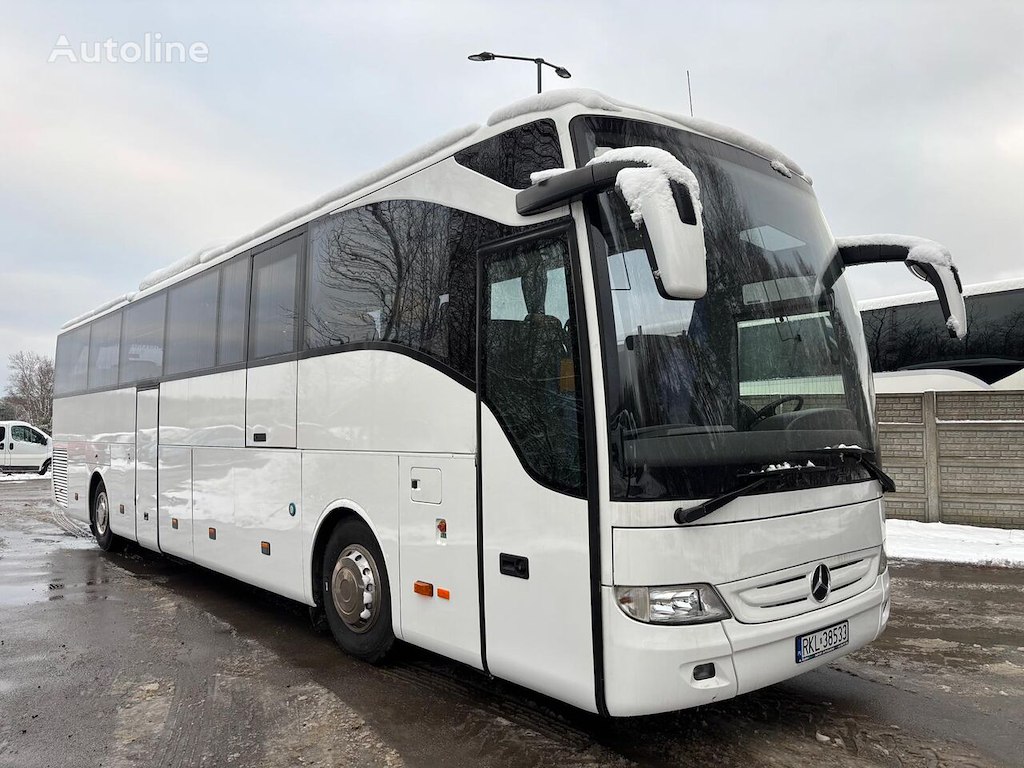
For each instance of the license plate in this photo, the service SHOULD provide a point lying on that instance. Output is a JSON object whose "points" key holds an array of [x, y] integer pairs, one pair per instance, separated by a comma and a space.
{"points": [[823, 641]]}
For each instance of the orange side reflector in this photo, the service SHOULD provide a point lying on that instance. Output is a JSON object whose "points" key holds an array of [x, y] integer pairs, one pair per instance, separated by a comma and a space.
{"points": [[174, 523], [265, 547], [423, 588], [444, 594], [213, 533]]}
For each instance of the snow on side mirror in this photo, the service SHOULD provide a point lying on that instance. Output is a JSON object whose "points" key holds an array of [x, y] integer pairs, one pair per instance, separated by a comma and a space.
{"points": [[663, 196], [926, 259]]}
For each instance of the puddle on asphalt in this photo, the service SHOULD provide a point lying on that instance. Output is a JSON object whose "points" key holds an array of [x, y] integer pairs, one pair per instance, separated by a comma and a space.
{"points": [[26, 574]]}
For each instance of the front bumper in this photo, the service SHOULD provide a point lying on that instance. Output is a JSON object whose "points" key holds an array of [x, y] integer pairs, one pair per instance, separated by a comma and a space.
{"points": [[649, 668]]}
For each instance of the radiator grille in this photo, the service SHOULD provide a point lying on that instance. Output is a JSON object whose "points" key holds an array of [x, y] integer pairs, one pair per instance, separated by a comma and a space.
{"points": [[787, 593], [59, 468]]}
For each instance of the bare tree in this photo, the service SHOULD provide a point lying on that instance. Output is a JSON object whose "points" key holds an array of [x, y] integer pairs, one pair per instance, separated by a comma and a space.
{"points": [[30, 388]]}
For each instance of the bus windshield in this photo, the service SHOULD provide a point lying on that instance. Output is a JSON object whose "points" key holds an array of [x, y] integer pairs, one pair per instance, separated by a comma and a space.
{"points": [[769, 367]]}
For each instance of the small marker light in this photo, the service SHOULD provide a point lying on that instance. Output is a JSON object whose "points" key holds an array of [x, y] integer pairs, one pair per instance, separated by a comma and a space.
{"points": [[265, 547], [423, 588], [213, 533], [174, 523], [444, 594]]}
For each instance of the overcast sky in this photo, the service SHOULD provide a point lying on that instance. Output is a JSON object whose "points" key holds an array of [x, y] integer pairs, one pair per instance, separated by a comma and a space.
{"points": [[909, 116]]}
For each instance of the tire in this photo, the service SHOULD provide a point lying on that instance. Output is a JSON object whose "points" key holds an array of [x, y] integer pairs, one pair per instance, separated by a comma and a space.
{"points": [[357, 593], [101, 520], [45, 468]]}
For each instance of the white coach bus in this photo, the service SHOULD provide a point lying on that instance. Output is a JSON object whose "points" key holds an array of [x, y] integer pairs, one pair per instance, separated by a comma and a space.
{"points": [[579, 398]]}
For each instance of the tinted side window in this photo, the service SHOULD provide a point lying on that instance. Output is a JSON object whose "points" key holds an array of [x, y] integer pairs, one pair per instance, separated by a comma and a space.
{"points": [[192, 324], [274, 303], [530, 365], [27, 435], [234, 291], [400, 271], [104, 347], [3, 432], [142, 340], [510, 157], [72, 363]]}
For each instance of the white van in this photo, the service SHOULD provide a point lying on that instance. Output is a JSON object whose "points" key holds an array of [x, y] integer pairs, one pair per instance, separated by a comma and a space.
{"points": [[24, 448]]}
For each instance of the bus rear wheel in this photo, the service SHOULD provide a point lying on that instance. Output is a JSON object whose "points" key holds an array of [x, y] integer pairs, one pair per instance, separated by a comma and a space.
{"points": [[356, 592]]}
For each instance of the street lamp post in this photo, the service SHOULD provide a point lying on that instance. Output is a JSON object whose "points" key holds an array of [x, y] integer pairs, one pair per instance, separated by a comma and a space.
{"points": [[488, 56]]}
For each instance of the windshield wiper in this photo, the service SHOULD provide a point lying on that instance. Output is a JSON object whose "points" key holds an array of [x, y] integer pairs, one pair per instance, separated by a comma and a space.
{"points": [[860, 455], [770, 472]]}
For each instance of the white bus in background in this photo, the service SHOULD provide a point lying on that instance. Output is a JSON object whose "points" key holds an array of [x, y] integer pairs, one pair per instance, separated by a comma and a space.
{"points": [[503, 416], [909, 352]]}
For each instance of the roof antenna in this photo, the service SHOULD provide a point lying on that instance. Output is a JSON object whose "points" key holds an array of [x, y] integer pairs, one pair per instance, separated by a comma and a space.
{"points": [[689, 92]]}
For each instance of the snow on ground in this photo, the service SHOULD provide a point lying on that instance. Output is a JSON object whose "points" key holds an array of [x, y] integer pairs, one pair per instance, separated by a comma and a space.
{"points": [[21, 477], [941, 542]]}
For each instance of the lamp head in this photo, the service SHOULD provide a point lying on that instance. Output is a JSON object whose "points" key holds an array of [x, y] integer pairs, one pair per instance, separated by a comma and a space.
{"points": [[562, 72], [482, 56]]}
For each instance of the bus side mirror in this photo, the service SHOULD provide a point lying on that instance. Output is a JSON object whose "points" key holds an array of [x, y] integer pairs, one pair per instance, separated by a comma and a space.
{"points": [[664, 201], [926, 259], [675, 234]]}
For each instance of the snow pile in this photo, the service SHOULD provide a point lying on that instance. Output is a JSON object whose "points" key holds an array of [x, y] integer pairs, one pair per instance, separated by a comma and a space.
{"points": [[123, 298], [650, 185], [181, 265], [736, 138], [538, 176], [559, 97], [591, 99], [954, 325], [919, 249], [919, 297], [941, 542]]}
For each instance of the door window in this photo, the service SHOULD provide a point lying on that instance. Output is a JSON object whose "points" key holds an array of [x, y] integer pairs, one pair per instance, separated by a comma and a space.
{"points": [[27, 435], [530, 369]]}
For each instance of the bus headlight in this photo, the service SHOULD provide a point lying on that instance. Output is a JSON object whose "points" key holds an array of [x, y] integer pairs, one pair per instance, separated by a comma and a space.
{"points": [[682, 604]]}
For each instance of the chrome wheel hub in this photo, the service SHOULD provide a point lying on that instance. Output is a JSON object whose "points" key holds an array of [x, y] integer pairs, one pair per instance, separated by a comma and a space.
{"points": [[102, 514], [354, 585]]}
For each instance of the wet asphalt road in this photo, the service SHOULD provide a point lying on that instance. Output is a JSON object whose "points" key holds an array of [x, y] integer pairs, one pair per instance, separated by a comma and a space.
{"points": [[133, 659]]}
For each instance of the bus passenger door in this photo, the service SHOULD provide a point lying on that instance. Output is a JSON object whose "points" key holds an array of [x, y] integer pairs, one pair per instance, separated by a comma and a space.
{"points": [[535, 523], [147, 406]]}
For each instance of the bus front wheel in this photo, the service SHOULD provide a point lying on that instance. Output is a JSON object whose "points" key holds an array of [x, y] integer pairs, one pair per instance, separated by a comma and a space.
{"points": [[357, 594], [101, 520]]}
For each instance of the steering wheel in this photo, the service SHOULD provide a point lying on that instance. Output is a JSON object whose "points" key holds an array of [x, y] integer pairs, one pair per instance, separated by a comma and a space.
{"points": [[769, 410]]}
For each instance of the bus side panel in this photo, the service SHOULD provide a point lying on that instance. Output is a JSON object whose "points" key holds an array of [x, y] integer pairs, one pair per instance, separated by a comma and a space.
{"points": [[365, 483], [381, 401], [205, 410], [98, 430], [439, 546], [174, 501], [246, 513]]}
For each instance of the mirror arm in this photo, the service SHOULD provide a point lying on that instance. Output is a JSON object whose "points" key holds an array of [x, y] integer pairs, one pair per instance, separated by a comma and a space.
{"points": [[877, 253], [564, 188]]}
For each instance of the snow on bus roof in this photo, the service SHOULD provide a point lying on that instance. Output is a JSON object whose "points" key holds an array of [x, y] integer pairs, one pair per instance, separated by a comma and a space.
{"points": [[584, 97], [920, 297], [591, 99]]}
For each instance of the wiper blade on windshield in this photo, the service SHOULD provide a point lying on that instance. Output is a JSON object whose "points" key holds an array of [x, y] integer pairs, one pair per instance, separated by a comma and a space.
{"points": [[770, 472], [860, 455]]}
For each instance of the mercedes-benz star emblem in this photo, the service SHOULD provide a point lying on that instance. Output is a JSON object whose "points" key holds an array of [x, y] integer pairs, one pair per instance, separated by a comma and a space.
{"points": [[821, 583]]}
